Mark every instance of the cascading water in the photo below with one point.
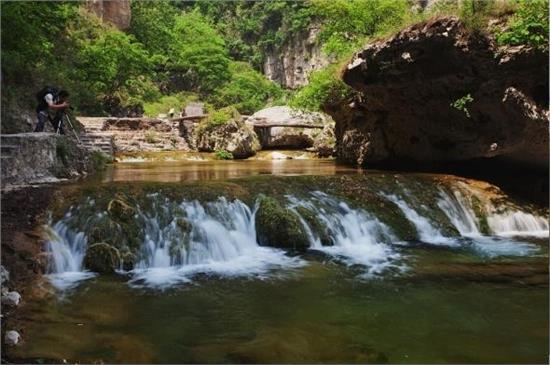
(67, 249)
(356, 235)
(220, 238)
(511, 222)
(426, 231)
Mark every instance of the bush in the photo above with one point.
(325, 87)
(247, 90)
(223, 155)
(462, 104)
(528, 26)
(163, 105)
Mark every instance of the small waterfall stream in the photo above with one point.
(356, 235)
(218, 237)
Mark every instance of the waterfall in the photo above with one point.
(517, 223)
(357, 236)
(511, 222)
(425, 229)
(221, 240)
(67, 249)
(460, 212)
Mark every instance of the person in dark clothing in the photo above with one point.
(51, 106)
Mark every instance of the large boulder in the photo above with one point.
(288, 137)
(234, 136)
(277, 226)
(437, 92)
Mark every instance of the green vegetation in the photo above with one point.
(325, 87)
(175, 52)
(528, 26)
(223, 155)
(219, 117)
(247, 90)
(462, 104)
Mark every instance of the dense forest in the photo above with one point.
(213, 51)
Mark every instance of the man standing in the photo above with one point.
(51, 101)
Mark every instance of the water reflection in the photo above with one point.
(179, 171)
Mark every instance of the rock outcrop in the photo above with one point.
(117, 12)
(234, 137)
(437, 92)
(290, 64)
(292, 137)
(33, 158)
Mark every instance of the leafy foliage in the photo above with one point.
(247, 90)
(462, 104)
(528, 26)
(223, 155)
(325, 87)
(351, 21)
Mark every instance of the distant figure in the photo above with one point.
(51, 105)
(171, 113)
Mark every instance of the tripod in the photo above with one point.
(63, 117)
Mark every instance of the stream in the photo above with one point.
(398, 268)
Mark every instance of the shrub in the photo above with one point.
(223, 155)
(165, 103)
(462, 104)
(528, 26)
(325, 87)
(247, 90)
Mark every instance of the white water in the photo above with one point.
(357, 237)
(512, 222)
(222, 241)
(425, 229)
(67, 249)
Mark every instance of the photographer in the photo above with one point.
(51, 106)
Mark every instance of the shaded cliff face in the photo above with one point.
(438, 93)
(291, 64)
(117, 12)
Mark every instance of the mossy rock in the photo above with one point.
(315, 225)
(184, 225)
(102, 258)
(120, 211)
(279, 227)
(128, 260)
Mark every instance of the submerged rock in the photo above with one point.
(279, 227)
(102, 257)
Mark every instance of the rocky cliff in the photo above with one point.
(290, 64)
(117, 12)
(436, 92)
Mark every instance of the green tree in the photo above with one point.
(247, 90)
(198, 59)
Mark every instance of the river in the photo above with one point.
(399, 268)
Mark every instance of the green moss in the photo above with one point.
(315, 225)
(102, 257)
(120, 211)
(481, 215)
(279, 227)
